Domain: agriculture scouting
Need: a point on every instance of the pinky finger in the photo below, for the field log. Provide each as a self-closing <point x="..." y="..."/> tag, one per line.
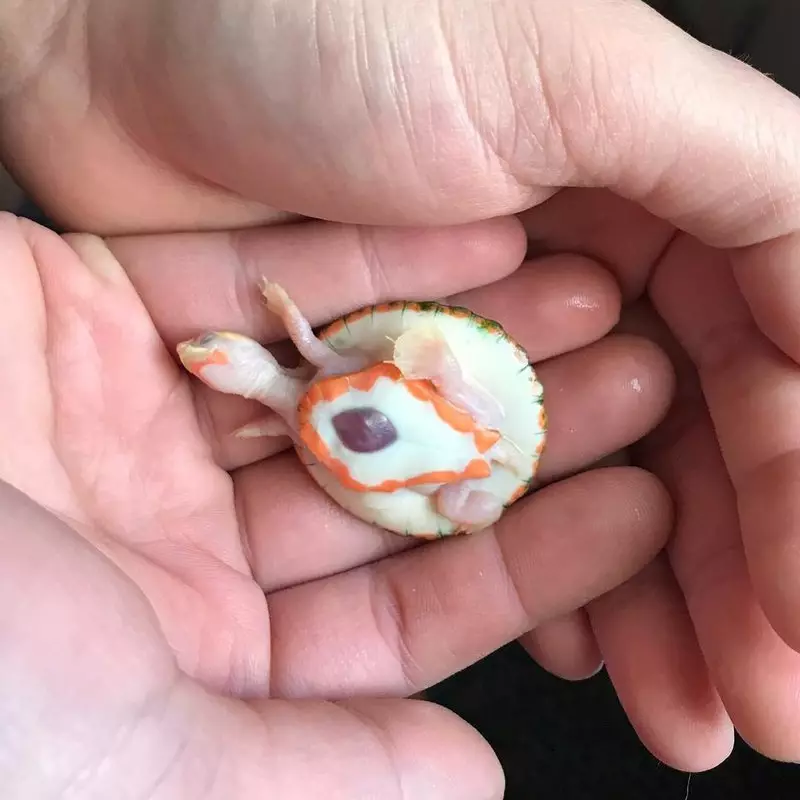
<point x="653" y="659"/>
<point x="565" y="646"/>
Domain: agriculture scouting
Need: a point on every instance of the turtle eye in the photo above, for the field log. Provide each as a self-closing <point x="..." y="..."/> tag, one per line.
<point x="364" y="430"/>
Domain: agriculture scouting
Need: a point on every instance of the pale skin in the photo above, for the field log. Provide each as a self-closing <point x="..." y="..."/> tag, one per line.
<point x="166" y="120"/>
<point x="180" y="607"/>
<point x="235" y="364"/>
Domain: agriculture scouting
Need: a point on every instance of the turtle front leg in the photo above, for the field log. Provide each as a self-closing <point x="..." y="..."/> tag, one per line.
<point x="469" y="508"/>
<point x="272" y="425"/>
<point x="299" y="329"/>
<point x="423" y="353"/>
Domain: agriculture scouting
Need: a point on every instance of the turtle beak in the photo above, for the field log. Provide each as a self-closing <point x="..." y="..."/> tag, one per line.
<point x="195" y="354"/>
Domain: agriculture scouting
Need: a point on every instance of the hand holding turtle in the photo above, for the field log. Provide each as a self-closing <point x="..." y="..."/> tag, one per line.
<point x="683" y="168"/>
<point x="173" y="589"/>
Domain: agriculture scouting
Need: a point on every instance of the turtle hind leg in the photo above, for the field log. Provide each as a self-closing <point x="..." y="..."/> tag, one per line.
<point x="422" y="352"/>
<point x="469" y="508"/>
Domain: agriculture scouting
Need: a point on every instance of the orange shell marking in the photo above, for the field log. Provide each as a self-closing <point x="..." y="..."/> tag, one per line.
<point x="328" y="389"/>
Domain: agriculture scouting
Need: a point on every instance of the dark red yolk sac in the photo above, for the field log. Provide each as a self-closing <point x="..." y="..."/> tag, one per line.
<point x="364" y="430"/>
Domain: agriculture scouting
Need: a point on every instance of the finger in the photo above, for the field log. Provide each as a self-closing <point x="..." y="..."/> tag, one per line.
<point x="406" y="622"/>
<point x="26" y="405"/>
<point x="767" y="276"/>
<point x="392" y="749"/>
<point x="585" y="121"/>
<point x="56" y="590"/>
<point x="754" y="672"/>
<point x="601" y="398"/>
<point x="652" y="657"/>
<point x="601" y="225"/>
<point x="122" y="685"/>
<point x="565" y="646"/>
<point x="327" y="269"/>
<point x="753" y="392"/>
<point x="550" y="307"/>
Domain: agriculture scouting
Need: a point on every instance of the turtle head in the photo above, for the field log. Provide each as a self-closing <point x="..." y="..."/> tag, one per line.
<point x="235" y="364"/>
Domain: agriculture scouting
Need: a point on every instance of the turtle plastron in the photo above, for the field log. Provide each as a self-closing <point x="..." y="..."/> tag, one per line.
<point x="422" y="418"/>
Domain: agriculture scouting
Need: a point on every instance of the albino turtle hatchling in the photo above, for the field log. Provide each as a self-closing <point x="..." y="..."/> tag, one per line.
<point x="422" y="418"/>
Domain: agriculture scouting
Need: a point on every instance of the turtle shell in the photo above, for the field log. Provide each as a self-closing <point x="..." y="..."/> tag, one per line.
<point x="491" y="357"/>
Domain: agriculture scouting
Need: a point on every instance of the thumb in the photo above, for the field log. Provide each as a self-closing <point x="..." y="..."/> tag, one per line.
<point x="88" y="686"/>
<point x="386" y="112"/>
<point x="382" y="749"/>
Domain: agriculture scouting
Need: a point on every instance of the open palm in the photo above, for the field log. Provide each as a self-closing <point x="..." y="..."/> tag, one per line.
<point x="260" y="586"/>
<point x="102" y="430"/>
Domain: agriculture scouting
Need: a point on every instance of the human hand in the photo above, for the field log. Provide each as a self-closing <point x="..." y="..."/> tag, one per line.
<point x="177" y="608"/>
<point x="697" y="643"/>
<point x="222" y="114"/>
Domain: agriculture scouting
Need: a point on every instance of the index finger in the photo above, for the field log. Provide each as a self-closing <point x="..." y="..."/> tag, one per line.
<point x="199" y="281"/>
<point x="753" y="396"/>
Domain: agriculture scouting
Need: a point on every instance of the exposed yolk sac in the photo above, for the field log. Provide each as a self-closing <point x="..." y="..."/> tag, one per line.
<point x="364" y="430"/>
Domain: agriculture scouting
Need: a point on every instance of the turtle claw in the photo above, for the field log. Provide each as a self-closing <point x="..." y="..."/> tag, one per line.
<point x="511" y="457"/>
<point x="276" y="298"/>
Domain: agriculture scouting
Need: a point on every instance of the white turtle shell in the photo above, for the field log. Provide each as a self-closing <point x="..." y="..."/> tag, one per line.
<point x="492" y="358"/>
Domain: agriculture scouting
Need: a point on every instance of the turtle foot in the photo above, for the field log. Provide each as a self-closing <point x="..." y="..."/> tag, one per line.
<point x="472" y="509"/>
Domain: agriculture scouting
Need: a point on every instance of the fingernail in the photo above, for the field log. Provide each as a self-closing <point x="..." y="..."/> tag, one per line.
<point x="96" y="255"/>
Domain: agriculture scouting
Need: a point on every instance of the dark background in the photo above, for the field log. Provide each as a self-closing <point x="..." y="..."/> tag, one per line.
<point x="572" y="741"/>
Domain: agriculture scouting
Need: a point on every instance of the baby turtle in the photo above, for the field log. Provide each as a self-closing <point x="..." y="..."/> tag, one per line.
<point x="419" y="417"/>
